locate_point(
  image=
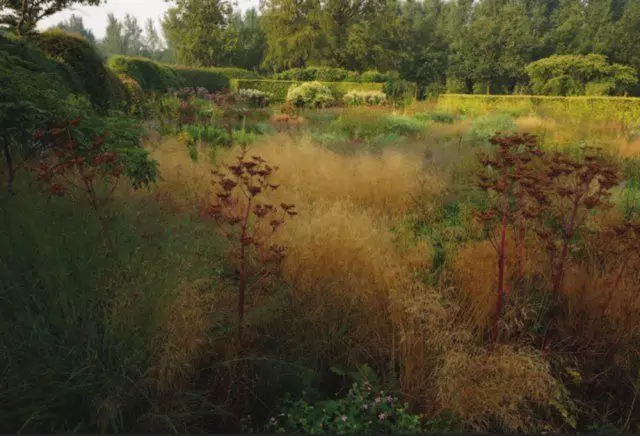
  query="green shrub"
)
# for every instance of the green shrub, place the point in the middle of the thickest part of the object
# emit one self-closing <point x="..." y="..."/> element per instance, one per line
<point x="399" y="91"/>
<point x="455" y="86"/>
<point x="94" y="79"/>
<point x="369" y="126"/>
<point x="255" y="98"/>
<point x="320" y="74"/>
<point x="403" y="125"/>
<point x="235" y="73"/>
<point x="441" y="117"/>
<point x="373" y="76"/>
<point x="571" y="75"/>
<point x="432" y="90"/>
<point x="600" y="88"/>
<point x="310" y="94"/>
<point x="279" y="88"/>
<point x="211" y="134"/>
<point x="487" y="126"/>
<point x="135" y="94"/>
<point x="33" y="89"/>
<point x="150" y="75"/>
<point x="369" y="98"/>
<point x="209" y="79"/>
<point x="361" y="411"/>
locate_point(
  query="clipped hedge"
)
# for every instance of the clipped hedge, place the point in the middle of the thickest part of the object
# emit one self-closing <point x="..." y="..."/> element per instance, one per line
<point x="209" y="79"/>
<point x="623" y="109"/>
<point x="279" y="88"/>
<point x="235" y="73"/>
<point x="151" y="76"/>
<point x="33" y="88"/>
<point x="86" y="73"/>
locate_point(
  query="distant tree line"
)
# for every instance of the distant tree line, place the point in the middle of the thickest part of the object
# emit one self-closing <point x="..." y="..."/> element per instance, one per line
<point x="458" y="45"/>
<point x="481" y="46"/>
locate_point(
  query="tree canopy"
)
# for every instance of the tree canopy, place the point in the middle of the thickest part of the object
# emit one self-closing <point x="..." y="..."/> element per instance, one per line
<point x="24" y="15"/>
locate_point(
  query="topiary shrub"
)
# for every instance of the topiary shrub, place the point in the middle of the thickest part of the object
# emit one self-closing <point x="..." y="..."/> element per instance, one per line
<point x="310" y="94"/>
<point x="89" y="74"/>
<point x="210" y="79"/>
<point x="134" y="94"/>
<point x="151" y="76"/>
<point x="368" y="98"/>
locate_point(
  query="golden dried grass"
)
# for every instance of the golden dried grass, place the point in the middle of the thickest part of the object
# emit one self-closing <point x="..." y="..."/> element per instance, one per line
<point x="497" y="388"/>
<point x="183" y="335"/>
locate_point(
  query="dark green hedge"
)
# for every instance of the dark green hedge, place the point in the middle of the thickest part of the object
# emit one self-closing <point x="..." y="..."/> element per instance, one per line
<point x="33" y="89"/>
<point x="201" y="78"/>
<point x="85" y="72"/>
<point x="151" y="75"/>
<point x="279" y="88"/>
<point x="236" y="73"/>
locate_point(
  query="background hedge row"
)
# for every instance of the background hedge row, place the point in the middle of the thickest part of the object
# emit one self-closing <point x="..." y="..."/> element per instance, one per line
<point x="623" y="109"/>
<point x="279" y="88"/>
<point x="328" y="74"/>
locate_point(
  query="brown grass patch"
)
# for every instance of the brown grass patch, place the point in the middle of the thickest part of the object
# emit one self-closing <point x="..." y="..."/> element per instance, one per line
<point x="499" y="388"/>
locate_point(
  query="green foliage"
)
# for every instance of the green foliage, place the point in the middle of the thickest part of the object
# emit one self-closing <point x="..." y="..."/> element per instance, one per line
<point x="310" y="94"/>
<point x="235" y="73"/>
<point x="135" y="94"/>
<point x="255" y="98"/>
<point x="279" y="88"/>
<point x="362" y="410"/>
<point x="374" y="76"/>
<point x="196" y="30"/>
<point x="85" y="323"/>
<point x="399" y="91"/>
<point x="209" y="79"/>
<point x="23" y="16"/>
<point x="441" y="117"/>
<point x="210" y="134"/>
<point x="75" y="24"/>
<point x="455" y="86"/>
<point x="487" y="126"/>
<point x="151" y="76"/>
<point x="86" y="66"/>
<point x="359" y="98"/>
<point x="579" y="75"/>
<point x="623" y="109"/>
<point x="327" y="74"/>
<point x="121" y="135"/>
<point x="32" y="88"/>
<point x="372" y="126"/>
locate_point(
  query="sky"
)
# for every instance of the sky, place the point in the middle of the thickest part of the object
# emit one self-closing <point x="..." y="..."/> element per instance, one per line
<point x="95" y="17"/>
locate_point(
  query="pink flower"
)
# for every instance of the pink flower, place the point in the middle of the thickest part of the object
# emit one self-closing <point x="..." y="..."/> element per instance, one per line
<point x="377" y="400"/>
<point x="389" y="399"/>
<point x="382" y="416"/>
<point x="365" y="406"/>
<point x="344" y="418"/>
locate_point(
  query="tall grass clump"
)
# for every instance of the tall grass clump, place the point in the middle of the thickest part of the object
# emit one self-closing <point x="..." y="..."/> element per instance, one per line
<point x="88" y="324"/>
<point x="484" y="127"/>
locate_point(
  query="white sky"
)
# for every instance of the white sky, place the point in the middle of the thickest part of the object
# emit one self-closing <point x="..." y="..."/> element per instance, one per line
<point x="95" y="17"/>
